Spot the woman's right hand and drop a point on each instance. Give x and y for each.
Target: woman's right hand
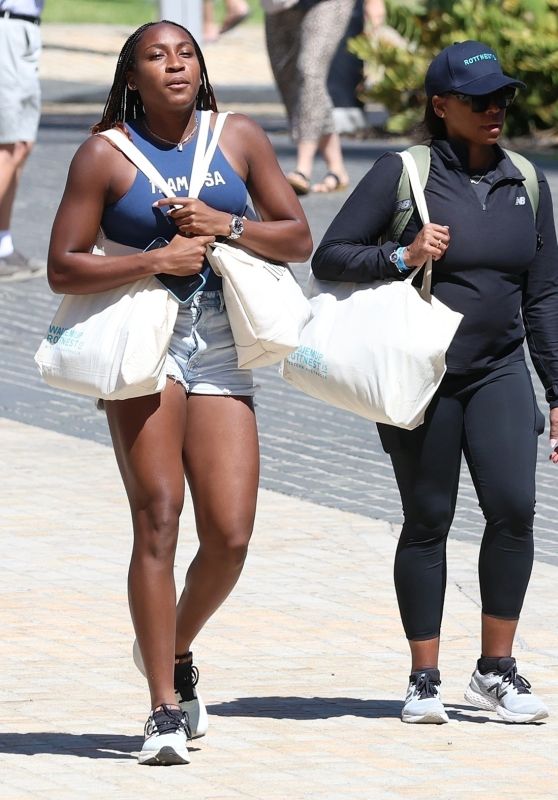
(432, 240)
(184, 255)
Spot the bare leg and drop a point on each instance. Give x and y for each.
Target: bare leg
(210, 27)
(148, 433)
(221, 459)
(424, 654)
(497, 642)
(12, 159)
(497, 636)
(236, 12)
(337, 175)
(330, 148)
(305, 153)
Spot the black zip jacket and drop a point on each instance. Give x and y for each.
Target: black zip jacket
(500, 269)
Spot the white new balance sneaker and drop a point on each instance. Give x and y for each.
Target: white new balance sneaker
(166, 738)
(508, 694)
(423, 703)
(187, 695)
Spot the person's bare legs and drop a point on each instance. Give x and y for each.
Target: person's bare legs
(235, 12)
(330, 148)
(210, 27)
(305, 153)
(221, 460)
(12, 160)
(497, 642)
(497, 636)
(424, 654)
(148, 434)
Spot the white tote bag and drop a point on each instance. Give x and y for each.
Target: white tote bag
(377, 349)
(113, 344)
(110, 345)
(267, 308)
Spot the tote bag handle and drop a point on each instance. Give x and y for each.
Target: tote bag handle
(202, 155)
(420, 203)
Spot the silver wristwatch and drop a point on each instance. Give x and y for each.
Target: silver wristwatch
(237, 227)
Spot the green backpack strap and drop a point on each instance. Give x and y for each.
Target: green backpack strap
(404, 205)
(529, 173)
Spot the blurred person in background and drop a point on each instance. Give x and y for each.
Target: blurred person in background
(20, 110)
(302, 39)
(346, 74)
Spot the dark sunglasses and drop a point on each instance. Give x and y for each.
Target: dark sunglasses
(503, 98)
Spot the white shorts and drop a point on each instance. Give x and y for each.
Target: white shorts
(20, 90)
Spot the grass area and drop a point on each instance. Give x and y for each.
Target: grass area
(121, 12)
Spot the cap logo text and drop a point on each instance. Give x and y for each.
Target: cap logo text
(480, 57)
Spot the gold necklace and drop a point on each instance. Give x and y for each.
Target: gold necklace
(178, 145)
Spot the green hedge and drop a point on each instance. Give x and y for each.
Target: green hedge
(524, 34)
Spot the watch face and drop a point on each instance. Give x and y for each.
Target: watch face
(237, 226)
(393, 257)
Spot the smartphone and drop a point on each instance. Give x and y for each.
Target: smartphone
(182, 287)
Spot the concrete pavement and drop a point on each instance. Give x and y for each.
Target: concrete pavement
(304, 668)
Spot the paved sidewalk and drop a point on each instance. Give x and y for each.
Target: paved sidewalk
(303, 669)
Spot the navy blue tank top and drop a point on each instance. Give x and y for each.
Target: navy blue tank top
(133, 221)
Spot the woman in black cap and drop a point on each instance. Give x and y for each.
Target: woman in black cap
(496, 261)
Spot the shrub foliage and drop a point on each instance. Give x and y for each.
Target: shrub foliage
(524, 34)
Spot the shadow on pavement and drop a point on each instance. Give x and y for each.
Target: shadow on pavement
(84, 745)
(470, 714)
(306, 707)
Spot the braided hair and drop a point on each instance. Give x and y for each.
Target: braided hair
(124, 103)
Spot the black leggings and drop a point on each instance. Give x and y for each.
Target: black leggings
(494, 420)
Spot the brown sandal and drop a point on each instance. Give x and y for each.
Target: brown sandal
(299, 182)
(329, 183)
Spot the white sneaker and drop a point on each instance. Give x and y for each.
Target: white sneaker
(506, 693)
(166, 738)
(187, 695)
(423, 702)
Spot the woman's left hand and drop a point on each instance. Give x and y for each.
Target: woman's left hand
(554, 435)
(195, 218)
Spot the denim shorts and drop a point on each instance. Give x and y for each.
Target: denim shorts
(202, 356)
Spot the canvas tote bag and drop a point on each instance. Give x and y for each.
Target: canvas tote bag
(377, 349)
(267, 308)
(113, 344)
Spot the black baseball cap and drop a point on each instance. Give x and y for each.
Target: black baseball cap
(467, 67)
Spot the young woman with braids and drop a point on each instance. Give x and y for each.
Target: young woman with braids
(202, 425)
